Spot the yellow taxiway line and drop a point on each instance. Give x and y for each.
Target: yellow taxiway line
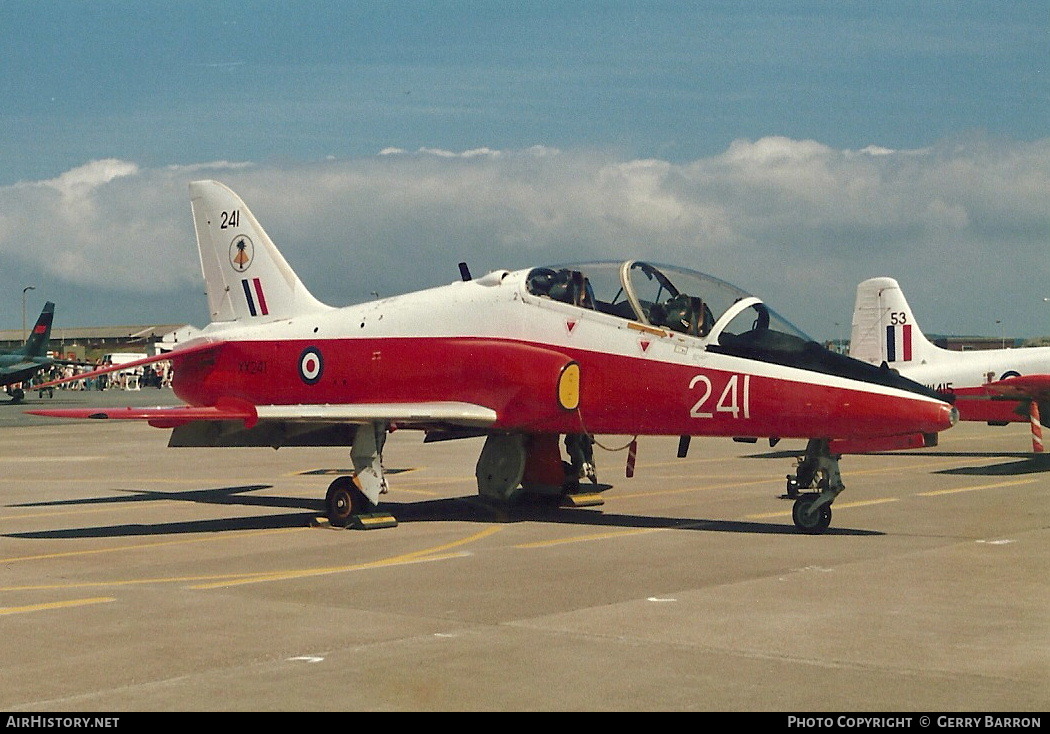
(55, 605)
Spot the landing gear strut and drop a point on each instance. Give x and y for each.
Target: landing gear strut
(818, 469)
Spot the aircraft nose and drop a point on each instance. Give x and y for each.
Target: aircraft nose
(946, 417)
(937, 417)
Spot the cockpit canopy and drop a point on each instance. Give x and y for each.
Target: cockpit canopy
(724, 318)
(662, 296)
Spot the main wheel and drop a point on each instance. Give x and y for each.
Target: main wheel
(812, 523)
(343, 501)
(501, 465)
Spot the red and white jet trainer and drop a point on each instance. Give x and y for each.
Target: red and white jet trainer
(997, 386)
(522, 357)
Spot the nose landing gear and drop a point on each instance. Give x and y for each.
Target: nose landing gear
(818, 469)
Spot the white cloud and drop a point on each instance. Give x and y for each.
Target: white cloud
(79, 182)
(798, 222)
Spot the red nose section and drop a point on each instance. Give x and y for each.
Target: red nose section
(888, 415)
(930, 421)
(938, 417)
(926, 416)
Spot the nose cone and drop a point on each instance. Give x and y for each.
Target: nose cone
(937, 417)
(903, 423)
(898, 414)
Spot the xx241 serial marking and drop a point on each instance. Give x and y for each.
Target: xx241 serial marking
(734, 398)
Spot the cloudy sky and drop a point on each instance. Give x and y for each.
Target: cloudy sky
(793, 148)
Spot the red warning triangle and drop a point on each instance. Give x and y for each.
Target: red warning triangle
(644, 345)
(570, 325)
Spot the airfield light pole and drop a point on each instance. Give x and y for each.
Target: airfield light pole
(24, 291)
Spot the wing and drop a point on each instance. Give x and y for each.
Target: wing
(234, 422)
(161, 417)
(22, 366)
(71, 362)
(239, 423)
(1021, 387)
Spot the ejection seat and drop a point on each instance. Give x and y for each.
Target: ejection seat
(566, 286)
(683, 313)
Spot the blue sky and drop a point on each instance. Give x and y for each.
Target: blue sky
(793, 148)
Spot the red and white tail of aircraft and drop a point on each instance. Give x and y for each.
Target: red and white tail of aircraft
(523, 358)
(997, 386)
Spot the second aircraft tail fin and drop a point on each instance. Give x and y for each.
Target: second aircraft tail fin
(884, 328)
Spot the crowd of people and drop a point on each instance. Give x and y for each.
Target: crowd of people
(156, 375)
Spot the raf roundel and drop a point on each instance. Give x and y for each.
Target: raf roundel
(311, 365)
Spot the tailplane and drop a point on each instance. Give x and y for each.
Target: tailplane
(37, 343)
(884, 328)
(246, 277)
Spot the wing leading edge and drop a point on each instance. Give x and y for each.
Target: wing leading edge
(239, 423)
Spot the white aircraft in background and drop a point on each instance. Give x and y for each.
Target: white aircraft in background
(997, 386)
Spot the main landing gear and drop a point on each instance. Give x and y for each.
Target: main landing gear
(510, 465)
(818, 469)
(513, 464)
(352, 501)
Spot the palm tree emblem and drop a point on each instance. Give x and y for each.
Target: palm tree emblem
(241, 253)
